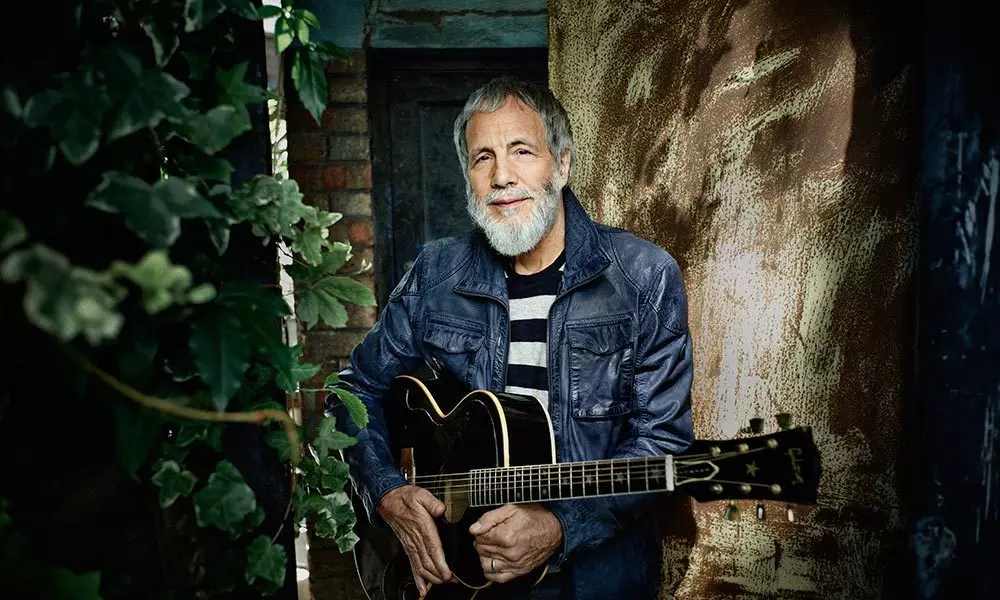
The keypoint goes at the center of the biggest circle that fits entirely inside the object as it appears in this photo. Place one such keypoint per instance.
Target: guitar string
(598, 466)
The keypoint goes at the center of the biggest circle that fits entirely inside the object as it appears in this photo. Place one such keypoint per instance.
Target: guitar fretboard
(563, 481)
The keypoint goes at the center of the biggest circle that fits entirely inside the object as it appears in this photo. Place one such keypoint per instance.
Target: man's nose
(503, 174)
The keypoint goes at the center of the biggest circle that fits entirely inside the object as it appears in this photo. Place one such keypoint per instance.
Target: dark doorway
(419, 192)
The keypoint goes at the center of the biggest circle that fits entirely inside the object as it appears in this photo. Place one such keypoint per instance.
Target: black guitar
(479, 450)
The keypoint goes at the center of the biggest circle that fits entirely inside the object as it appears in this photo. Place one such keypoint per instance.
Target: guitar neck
(564, 481)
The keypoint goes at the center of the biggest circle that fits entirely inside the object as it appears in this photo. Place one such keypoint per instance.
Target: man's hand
(410, 511)
(514, 539)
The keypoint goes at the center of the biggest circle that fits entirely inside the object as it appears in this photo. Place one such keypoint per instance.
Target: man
(538, 300)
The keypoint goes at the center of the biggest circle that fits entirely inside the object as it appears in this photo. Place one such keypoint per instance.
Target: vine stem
(258, 417)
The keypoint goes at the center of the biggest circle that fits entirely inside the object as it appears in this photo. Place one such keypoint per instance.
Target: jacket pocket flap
(600, 338)
(453, 335)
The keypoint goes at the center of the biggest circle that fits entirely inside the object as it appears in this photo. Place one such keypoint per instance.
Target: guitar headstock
(782, 466)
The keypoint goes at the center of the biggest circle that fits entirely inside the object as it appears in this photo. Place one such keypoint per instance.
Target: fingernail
(475, 527)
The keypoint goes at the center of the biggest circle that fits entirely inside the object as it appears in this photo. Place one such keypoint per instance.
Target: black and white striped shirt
(531, 296)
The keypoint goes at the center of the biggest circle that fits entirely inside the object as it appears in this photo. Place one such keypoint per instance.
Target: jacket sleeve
(660, 425)
(387, 350)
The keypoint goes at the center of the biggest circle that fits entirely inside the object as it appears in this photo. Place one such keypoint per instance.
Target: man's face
(515, 183)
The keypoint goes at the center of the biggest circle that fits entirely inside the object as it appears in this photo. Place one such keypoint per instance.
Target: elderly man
(590, 320)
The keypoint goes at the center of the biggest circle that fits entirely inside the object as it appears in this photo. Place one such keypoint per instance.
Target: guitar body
(434, 429)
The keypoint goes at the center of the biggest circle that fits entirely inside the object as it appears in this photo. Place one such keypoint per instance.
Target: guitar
(475, 451)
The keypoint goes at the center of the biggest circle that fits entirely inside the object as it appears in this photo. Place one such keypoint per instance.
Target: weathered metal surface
(770, 147)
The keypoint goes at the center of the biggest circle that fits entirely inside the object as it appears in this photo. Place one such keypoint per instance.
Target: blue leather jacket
(619, 358)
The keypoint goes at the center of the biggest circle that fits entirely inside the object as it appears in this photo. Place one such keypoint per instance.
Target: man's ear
(565, 160)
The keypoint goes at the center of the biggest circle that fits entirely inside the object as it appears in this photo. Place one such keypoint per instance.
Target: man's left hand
(514, 539)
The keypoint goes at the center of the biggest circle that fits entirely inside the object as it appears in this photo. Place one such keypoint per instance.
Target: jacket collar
(585, 257)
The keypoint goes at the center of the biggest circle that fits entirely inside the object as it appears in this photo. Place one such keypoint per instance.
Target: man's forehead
(525, 117)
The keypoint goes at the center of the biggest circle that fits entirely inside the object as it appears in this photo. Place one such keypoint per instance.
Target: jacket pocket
(601, 367)
(453, 343)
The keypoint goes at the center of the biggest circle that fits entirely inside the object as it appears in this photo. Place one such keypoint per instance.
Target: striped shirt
(531, 296)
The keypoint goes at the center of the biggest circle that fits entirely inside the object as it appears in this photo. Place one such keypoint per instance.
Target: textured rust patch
(767, 146)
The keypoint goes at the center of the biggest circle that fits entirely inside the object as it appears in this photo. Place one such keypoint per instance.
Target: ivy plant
(179, 338)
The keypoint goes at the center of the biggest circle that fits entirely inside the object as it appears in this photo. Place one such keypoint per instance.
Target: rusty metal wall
(773, 148)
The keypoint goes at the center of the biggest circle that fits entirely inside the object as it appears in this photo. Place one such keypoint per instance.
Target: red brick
(306, 148)
(346, 89)
(345, 120)
(309, 178)
(360, 233)
(359, 176)
(335, 177)
(348, 147)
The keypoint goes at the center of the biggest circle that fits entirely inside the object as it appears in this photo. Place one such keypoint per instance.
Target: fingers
(434, 506)
(491, 519)
(417, 579)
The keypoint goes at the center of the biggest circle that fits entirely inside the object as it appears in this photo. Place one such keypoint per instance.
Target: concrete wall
(772, 147)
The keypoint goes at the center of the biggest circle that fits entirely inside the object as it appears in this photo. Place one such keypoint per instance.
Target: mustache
(508, 194)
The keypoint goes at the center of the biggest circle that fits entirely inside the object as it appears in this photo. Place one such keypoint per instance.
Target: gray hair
(494, 95)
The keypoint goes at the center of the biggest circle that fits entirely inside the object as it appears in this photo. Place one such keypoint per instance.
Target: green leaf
(163, 38)
(152, 212)
(199, 13)
(222, 353)
(309, 75)
(163, 284)
(335, 474)
(190, 432)
(314, 304)
(265, 560)
(301, 29)
(136, 430)
(330, 51)
(214, 130)
(355, 407)
(12, 232)
(283, 35)
(74, 115)
(337, 254)
(336, 517)
(279, 441)
(173, 482)
(307, 17)
(218, 231)
(290, 370)
(328, 438)
(347, 289)
(62, 299)
(331, 380)
(62, 584)
(269, 12)
(226, 500)
(210, 168)
(234, 88)
(347, 541)
(11, 103)
(154, 95)
(243, 8)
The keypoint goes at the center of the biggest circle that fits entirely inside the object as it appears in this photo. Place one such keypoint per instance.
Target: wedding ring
(493, 565)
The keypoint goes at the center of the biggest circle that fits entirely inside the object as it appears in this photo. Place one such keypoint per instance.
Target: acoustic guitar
(478, 450)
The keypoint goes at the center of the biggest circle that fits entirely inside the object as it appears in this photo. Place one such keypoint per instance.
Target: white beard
(516, 238)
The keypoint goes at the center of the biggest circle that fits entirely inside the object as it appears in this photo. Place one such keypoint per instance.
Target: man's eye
(523, 152)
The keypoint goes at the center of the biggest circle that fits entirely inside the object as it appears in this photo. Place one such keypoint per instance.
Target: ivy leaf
(336, 517)
(152, 212)
(226, 500)
(154, 95)
(173, 482)
(265, 560)
(279, 441)
(136, 428)
(347, 289)
(163, 38)
(234, 89)
(283, 35)
(209, 168)
(12, 232)
(355, 407)
(62, 299)
(251, 523)
(191, 432)
(335, 473)
(309, 75)
(347, 541)
(67, 585)
(214, 130)
(290, 370)
(199, 13)
(11, 103)
(221, 352)
(163, 284)
(218, 231)
(328, 438)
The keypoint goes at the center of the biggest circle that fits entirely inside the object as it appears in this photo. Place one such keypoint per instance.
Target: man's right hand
(410, 511)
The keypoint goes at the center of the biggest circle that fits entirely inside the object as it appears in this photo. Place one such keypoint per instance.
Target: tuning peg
(784, 420)
(761, 512)
(756, 425)
(790, 513)
(732, 512)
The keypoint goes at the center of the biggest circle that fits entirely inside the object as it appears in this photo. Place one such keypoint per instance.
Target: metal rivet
(775, 489)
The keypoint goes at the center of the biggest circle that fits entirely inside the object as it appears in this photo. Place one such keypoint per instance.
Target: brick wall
(332, 165)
